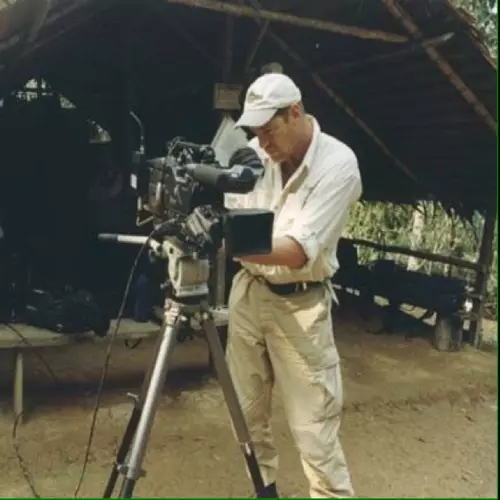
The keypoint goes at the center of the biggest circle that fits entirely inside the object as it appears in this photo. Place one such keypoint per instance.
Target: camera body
(164, 187)
(183, 194)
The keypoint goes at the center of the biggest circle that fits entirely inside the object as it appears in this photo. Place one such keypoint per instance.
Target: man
(280, 326)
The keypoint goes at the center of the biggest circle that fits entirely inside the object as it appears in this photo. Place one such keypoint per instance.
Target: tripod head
(187, 270)
(189, 245)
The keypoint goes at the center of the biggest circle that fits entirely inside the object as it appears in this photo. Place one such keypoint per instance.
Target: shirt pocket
(289, 212)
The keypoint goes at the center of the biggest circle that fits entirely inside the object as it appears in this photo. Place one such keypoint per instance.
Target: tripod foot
(127, 488)
(269, 491)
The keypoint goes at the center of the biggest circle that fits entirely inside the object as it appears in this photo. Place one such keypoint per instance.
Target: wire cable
(107, 360)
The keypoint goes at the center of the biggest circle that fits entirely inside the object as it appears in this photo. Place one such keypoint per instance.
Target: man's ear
(295, 111)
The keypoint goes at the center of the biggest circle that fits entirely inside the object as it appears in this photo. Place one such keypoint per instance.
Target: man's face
(277, 137)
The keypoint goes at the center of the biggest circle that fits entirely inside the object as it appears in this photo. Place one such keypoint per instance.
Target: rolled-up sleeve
(324, 215)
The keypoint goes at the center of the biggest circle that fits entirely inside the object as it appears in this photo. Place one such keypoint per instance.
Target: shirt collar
(304, 169)
(311, 150)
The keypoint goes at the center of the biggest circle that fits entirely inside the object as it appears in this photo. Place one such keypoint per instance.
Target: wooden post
(485, 260)
(416, 236)
(18, 387)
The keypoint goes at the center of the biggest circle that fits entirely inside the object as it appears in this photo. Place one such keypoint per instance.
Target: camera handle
(132, 449)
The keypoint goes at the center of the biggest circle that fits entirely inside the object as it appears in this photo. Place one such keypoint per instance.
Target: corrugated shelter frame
(409, 84)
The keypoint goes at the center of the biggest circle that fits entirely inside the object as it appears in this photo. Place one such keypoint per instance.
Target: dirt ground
(418, 423)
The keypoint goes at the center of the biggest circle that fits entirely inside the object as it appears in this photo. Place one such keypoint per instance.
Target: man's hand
(286, 252)
(247, 157)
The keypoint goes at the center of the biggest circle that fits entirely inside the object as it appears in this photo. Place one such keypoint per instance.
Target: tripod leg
(123, 450)
(131, 427)
(145, 422)
(233, 404)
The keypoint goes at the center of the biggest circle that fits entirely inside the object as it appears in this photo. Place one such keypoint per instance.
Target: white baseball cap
(266, 95)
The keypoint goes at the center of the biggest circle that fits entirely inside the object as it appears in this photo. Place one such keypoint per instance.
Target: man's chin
(277, 158)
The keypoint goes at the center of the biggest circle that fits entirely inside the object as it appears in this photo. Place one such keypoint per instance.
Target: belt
(290, 288)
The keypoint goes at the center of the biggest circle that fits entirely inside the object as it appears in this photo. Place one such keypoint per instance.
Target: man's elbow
(298, 262)
(296, 256)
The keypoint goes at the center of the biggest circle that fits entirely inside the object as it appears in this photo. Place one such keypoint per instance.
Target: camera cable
(108, 359)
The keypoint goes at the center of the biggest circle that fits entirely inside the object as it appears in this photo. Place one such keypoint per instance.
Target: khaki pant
(289, 341)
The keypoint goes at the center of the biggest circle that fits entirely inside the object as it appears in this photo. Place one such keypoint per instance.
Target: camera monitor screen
(248, 232)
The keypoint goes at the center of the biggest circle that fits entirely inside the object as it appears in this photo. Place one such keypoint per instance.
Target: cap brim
(255, 118)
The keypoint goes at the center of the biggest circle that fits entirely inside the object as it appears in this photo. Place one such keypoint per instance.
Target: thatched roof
(407, 83)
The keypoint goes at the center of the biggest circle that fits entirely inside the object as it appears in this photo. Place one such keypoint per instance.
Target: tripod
(191, 292)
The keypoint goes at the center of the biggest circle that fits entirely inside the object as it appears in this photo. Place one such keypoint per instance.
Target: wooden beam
(42, 11)
(320, 83)
(303, 22)
(421, 254)
(485, 260)
(404, 18)
(411, 48)
(253, 52)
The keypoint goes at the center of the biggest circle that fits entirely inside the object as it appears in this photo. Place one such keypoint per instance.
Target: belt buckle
(300, 287)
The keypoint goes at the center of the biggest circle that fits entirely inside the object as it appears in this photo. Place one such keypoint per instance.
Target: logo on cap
(252, 97)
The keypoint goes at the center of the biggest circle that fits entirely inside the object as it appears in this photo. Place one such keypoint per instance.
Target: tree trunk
(416, 237)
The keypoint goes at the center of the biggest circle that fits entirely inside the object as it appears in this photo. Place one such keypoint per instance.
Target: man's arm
(323, 216)
(286, 252)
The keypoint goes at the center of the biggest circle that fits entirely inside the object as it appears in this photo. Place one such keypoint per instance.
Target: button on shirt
(312, 208)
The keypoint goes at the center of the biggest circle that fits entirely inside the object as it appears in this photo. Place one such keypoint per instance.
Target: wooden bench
(38, 338)
(445, 296)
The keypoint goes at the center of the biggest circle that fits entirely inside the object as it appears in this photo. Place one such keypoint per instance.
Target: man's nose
(264, 143)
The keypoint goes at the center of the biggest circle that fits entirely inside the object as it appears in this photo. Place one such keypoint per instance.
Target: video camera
(183, 195)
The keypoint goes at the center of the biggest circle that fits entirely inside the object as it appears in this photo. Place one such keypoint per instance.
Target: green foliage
(485, 14)
(441, 233)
